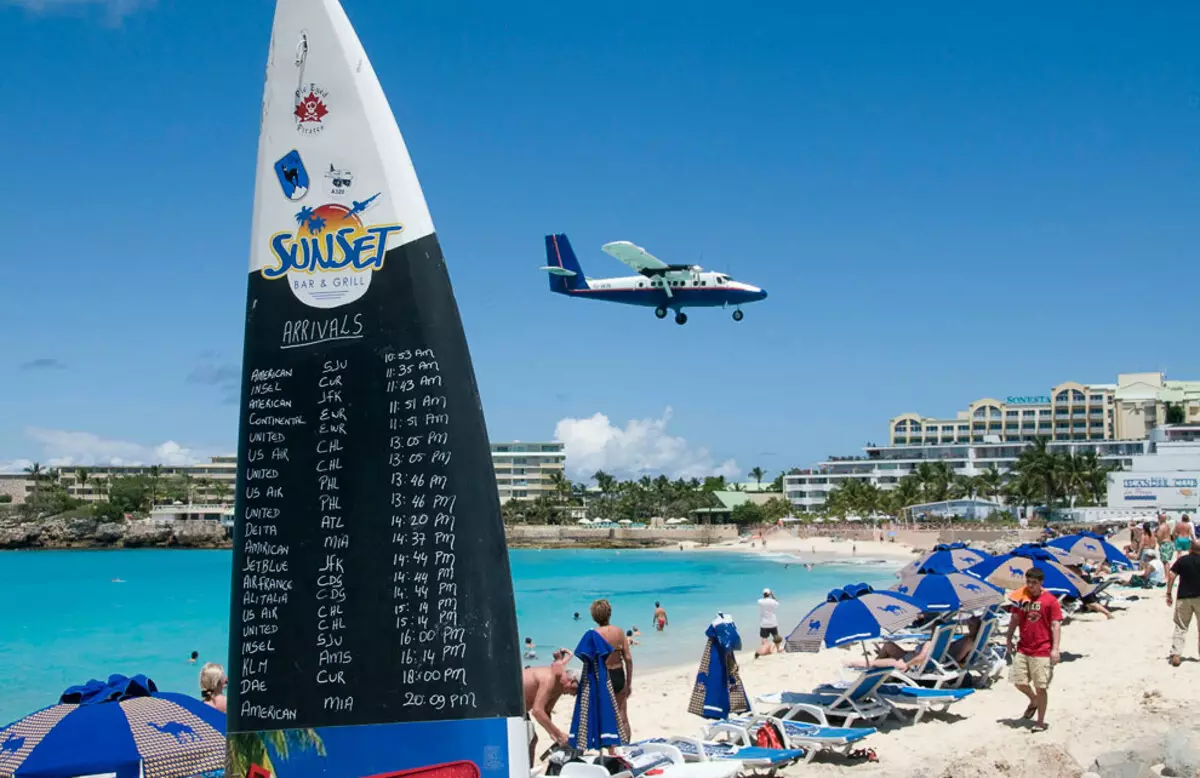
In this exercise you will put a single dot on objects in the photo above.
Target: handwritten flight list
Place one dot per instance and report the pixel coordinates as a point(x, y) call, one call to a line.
point(350, 589)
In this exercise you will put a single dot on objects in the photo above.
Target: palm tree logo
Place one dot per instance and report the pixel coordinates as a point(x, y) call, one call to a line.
point(251, 749)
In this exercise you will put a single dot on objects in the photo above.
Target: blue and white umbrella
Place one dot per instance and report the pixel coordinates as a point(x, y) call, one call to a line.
point(719, 690)
point(852, 613)
point(1008, 571)
point(948, 592)
point(1093, 546)
point(946, 558)
point(124, 727)
point(596, 722)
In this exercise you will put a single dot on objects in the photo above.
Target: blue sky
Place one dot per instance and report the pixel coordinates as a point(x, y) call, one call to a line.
point(943, 203)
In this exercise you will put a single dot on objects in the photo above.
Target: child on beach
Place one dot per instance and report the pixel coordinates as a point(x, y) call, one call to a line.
point(530, 649)
point(212, 685)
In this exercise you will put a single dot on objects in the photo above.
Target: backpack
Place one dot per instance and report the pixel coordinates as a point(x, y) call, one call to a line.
point(768, 736)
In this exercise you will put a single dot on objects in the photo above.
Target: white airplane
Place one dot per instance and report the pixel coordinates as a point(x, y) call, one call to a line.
point(657, 284)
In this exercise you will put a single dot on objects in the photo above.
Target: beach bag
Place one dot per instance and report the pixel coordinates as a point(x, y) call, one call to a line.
point(768, 736)
point(559, 756)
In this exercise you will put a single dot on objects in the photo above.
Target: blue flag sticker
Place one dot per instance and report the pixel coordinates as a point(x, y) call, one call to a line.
point(293, 176)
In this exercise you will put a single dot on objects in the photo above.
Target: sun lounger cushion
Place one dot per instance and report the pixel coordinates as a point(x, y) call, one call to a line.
point(747, 754)
point(815, 733)
point(921, 693)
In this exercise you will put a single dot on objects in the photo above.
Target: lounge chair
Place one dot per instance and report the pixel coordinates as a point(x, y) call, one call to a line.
point(908, 695)
point(666, 760)
point(938, 669)
point(757, 757)
point(856, 701)
point(811, 738)
point(987, 659)
point(902, 693)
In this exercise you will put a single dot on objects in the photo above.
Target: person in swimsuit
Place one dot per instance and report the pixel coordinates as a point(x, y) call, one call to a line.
point(660, 617)
point(620, 661)
point(1185, 533)
point(1162, 534)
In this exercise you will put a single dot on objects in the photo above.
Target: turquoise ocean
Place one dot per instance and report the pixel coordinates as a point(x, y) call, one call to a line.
point(68, 620)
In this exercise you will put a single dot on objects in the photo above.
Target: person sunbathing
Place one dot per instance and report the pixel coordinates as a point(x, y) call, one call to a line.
point(894, 656)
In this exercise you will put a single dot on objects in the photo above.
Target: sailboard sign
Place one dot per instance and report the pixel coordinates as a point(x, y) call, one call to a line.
point(373, 629)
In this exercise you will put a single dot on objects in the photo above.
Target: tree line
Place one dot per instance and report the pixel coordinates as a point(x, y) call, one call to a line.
point(119, 495)
point(640, 499)
point(1039, 477)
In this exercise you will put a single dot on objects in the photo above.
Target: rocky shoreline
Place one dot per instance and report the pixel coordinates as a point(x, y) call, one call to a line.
point(91, 533)
point(60, 533)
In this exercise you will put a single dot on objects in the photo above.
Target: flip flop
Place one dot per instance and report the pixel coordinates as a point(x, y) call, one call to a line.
point(1039, 727)
point(1029, 712)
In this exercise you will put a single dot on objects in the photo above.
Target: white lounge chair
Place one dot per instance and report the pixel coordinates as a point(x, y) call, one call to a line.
point(757, 757)
point(663, 758)
point(856, 701)
point(811, 738)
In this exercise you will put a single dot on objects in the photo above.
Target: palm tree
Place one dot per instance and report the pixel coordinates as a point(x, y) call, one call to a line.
point(757, 474)
point(906, 493)
point(35, 474)
point(990, 482)
point(81, 478)
point(221, 489)
point(154, 471)
point(256, 748)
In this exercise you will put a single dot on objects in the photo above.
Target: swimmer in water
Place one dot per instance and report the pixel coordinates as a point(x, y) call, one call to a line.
point(192, 659)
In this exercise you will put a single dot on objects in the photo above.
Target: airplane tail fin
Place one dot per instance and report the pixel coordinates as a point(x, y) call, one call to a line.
point(565, 273)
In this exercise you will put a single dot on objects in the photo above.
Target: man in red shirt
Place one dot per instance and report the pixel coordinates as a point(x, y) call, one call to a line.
point(1039, 617)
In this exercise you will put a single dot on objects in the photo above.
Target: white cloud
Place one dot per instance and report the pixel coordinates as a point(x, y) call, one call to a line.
point(68, 448)
point(641, 447)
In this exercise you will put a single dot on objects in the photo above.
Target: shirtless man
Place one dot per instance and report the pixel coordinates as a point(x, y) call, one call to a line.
point(543, 687)
point(620, 661)
point(1163, 534)
point(660, 617)
point(1185, 533)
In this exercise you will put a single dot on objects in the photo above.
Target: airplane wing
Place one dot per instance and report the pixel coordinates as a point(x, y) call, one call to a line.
point(635, 256)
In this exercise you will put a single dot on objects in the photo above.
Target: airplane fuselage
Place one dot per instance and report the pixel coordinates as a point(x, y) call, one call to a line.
point(658, 285)
point(687, 290)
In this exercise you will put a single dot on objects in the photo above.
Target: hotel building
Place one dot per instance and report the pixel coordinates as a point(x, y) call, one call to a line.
point(1113, 421)
point(523, 471)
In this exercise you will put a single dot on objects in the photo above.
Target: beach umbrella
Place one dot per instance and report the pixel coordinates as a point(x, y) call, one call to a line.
point(1093, 546)
point(945, 558)
point(1008, 571)
point(719, 690)
point(947, 592)
point(123, 727)
point(596, 722)
point(852, 613)
point(1062, 556)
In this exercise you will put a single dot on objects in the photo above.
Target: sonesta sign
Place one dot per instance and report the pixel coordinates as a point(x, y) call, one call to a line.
point(1038, 399)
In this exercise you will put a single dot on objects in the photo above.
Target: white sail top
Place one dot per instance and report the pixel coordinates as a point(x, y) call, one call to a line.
point(335, 186)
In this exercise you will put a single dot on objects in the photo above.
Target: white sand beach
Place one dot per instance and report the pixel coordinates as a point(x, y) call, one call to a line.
point(1114, 690)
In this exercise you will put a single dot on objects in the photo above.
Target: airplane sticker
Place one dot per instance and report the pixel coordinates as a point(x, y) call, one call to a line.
point(293, 176)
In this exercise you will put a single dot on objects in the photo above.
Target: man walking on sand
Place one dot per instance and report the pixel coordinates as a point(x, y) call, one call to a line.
point(1039, 617)
point(1187, 569)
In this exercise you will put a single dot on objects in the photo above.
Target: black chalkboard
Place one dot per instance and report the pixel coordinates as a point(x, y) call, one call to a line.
point(370, 575)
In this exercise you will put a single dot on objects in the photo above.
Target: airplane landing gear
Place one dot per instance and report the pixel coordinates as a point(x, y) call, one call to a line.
point(660, 312)
point(738, 315)
point(681, 318)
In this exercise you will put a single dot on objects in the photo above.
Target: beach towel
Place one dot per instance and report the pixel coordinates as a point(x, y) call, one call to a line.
point(597, 721)
point(719, 690)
